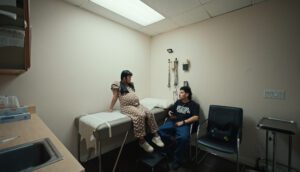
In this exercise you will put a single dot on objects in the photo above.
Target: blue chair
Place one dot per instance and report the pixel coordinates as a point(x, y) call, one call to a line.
point(223, 131)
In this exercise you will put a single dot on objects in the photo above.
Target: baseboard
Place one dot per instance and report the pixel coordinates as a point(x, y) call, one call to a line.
point(244, 160)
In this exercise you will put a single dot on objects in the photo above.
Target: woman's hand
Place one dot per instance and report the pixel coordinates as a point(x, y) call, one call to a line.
point(113, 100)
point(179, 123)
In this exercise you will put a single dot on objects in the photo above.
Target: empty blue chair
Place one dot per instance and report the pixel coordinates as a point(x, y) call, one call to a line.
point(223, 131)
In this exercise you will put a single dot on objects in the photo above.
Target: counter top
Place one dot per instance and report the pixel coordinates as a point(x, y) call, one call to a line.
point(35, 129)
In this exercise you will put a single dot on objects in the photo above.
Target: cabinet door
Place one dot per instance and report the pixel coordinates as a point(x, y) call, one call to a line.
point(14, 36)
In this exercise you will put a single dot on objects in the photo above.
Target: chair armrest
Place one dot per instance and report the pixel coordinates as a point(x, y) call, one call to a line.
point(200, 126)
point(166, 118)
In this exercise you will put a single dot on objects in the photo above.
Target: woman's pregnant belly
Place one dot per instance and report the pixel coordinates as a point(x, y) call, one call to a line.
point(129, 99)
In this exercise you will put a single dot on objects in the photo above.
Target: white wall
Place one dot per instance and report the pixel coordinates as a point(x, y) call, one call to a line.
point(76, 55)
point(234, 57)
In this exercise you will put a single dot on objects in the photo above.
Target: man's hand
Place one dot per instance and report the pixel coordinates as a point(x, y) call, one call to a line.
point(179, 123)
point(171, 115)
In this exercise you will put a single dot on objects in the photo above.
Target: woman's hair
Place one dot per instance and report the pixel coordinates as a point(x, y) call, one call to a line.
point(123, 88)
point(188, 90)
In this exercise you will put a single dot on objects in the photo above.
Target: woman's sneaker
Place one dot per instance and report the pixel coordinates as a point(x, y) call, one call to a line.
point(148, 148)
point(158, 142)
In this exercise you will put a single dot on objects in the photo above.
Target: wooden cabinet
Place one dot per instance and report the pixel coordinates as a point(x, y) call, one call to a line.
point(14, 36)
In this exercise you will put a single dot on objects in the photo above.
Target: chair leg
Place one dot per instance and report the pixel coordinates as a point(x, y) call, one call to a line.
point(237, 163)
point(237, 155)
point(190, 153)
point(203, 158)
point(196, 158)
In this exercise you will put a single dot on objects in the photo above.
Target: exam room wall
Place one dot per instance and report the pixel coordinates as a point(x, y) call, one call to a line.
point(76, 55)
point(234, 57)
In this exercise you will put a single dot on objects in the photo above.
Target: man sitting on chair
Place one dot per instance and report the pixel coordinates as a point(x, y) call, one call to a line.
point(181, 115)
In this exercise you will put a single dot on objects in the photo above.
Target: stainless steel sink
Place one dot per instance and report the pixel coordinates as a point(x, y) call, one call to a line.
point(29, 156)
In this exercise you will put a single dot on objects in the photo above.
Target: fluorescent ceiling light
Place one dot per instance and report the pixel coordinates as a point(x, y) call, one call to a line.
point(134, 10)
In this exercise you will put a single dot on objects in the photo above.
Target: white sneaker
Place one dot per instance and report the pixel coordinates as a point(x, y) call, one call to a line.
point(158, 142)
point(148, 148)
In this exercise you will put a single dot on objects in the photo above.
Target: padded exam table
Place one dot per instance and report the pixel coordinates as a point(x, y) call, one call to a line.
point(110, 128)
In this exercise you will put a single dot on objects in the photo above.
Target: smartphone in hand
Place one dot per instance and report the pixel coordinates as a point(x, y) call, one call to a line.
point(172, 115)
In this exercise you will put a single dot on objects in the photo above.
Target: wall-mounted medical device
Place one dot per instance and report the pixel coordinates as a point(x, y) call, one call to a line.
point(170, 50)
point(186, 65)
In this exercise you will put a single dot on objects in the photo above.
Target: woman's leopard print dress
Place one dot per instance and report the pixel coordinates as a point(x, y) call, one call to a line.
point(140, 115)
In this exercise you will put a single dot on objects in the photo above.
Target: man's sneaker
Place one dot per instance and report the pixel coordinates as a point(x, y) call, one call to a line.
point(158, 142)
point(148, 148)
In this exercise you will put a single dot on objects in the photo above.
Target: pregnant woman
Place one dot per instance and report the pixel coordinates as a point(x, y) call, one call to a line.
point(130, 106)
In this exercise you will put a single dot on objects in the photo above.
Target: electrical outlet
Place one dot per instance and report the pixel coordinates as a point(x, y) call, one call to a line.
point(274, 94)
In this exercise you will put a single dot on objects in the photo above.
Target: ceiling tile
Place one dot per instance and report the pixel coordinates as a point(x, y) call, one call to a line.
point(149, 32)
point(159, 27)
point(90, 6)
point(257, 1)
point(195, 15)
point(76, 2)
point(204, 1)
point(218, 7)
point(178, 13)
point(170, 8)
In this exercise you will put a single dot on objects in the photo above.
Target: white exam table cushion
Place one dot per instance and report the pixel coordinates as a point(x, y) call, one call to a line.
point(151, 103)
point(102, 123)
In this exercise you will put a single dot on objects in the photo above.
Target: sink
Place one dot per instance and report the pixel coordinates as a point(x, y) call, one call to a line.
point(29, 156)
